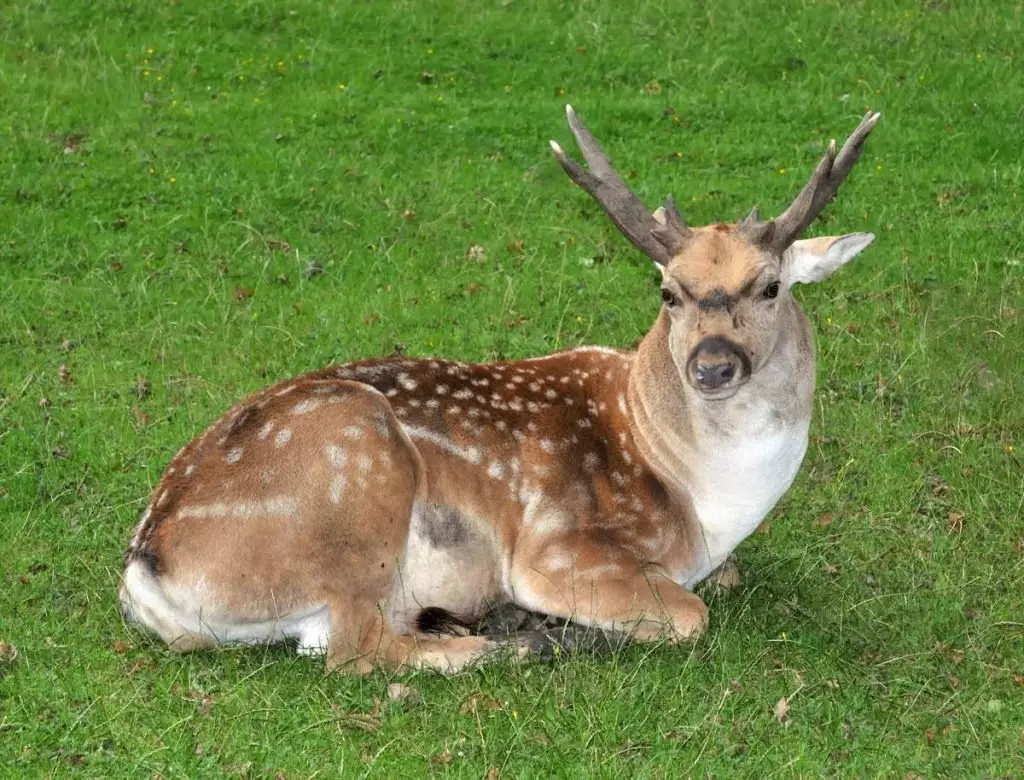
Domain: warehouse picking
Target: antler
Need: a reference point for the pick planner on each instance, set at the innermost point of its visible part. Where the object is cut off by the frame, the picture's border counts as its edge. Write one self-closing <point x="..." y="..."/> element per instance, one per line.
<point x="833" y="169"/>
<point x="660" y="235"/>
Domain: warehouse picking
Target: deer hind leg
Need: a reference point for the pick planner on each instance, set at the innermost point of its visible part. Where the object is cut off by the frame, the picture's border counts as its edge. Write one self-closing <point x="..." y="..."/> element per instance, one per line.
<point x="571" y="576"/>
<point x="358" y="649"/>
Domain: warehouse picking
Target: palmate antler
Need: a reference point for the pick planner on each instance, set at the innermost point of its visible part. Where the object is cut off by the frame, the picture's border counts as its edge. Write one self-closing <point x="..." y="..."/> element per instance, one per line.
<point x="661" y="240"/>
<point x="662" y="235"/>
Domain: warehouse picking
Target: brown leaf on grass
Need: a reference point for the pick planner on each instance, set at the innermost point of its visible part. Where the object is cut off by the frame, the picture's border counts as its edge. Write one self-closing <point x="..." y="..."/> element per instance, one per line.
<point x="442" y="758"/>
<point x="121" y="647"/>
<point x="399" y="692"/>
<point x="764" y="528"/>
<point x="848" y="731"/>
<point x="473" y="288"/>
<point x="831" y="569"/>
<point x="67" y="345"/>
<point x="426" y="77"/>
<point x="141" y="417"/>
<point x="479" y="702"/>
<point x="929" y="734"/>
<point x="476" y="253"/>
<point x="955" y="522"/>
<point x="516" y="247"/>
<point x="781" y="710"/>
<point x="953" y="681"/>
<point x="823" y="520"/>
<point x="65" y="374"/>
<point x="408" y="215"/>
<point x="8" y="652"/>
<point x="278" y="245"/>
<point x="492" y="774"/>
<point x="938" y="485"/>
<point x="142" y="387"/>
<point x="44" y="403"/>
<point x="243" y="293"/>
<point x="359" y="721"/>
<point x="205" y="705"/>
<point x="371" y="317"/>
<point x="1019" y="679"/>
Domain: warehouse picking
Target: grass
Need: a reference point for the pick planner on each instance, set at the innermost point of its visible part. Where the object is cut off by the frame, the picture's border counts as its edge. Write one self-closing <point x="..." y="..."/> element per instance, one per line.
<point x="174" y="175"/>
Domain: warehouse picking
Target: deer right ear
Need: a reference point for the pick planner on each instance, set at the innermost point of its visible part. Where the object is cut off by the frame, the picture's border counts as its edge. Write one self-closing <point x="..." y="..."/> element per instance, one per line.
<point x="814" y="259"/>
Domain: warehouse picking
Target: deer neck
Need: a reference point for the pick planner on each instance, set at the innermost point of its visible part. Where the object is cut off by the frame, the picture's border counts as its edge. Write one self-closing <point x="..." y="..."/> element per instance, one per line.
<point x="726" y="462"/>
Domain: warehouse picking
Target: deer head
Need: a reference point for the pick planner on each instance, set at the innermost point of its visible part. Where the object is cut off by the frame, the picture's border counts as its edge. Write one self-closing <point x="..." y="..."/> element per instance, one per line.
<point x="725" y="287"/>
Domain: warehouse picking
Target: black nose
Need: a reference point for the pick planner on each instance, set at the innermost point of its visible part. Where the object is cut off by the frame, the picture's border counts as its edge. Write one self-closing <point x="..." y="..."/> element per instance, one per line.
<point x="716" y="375"/>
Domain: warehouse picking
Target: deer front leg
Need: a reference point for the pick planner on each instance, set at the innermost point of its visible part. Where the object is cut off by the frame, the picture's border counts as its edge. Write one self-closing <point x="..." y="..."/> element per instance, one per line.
<point x="574" y="575"/>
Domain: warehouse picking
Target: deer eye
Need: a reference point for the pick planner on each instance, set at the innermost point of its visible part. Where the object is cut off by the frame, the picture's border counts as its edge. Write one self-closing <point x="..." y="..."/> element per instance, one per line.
<point x="772" y="290"/>
<point x="668" y="297"/>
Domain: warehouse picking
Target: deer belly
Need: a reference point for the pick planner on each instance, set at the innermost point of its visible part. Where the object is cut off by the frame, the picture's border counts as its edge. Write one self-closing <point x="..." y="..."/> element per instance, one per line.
<point x="737" y="488"/>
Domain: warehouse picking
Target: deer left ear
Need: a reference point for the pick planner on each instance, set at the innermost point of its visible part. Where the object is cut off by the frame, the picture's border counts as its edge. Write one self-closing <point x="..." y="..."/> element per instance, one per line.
<point x="814" y="259"/>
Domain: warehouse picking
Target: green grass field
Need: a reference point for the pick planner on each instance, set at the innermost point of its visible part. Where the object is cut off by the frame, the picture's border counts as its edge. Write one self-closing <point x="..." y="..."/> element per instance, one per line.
<point x="198" y="199"/>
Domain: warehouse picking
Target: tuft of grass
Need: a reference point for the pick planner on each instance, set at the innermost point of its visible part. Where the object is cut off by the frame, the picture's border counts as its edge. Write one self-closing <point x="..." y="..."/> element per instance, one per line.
<point x="199" y="199"/>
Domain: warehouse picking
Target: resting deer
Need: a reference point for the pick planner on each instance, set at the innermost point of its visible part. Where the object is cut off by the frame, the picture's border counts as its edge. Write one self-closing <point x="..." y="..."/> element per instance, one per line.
<point x="348" y="508"/>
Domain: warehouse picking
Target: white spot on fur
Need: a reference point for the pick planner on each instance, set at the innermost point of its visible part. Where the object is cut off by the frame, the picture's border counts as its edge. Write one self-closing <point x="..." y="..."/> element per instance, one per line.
<point x="365" y="463"/>
<point x="550" y="394"/>
<point x="235" y="455"/>
<point x="268" y="426"/>
<point x="164" y="495"/>
<point x="305" y="406"/>
<point x="495" y="470"/>
<point x="336" y="455"/>
<point x="392" y="392"/>
<point x="433" y="403"/>
<point x="283" y="437"/>
<point x="462" y="394"/>
<point x="338" y="485"/>
<point x="547" y="445"/>
<point x="441" y="389"/>
<point x="406" y="382"/>
<point x="591" y="462"/>
<point x="189" y="469"/>
<point x="354" y="432"/>
<point x="284" y="391"/>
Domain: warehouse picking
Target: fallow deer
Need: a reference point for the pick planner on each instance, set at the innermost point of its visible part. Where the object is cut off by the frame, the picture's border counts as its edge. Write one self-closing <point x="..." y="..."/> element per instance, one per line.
<point x="346" y="507"/>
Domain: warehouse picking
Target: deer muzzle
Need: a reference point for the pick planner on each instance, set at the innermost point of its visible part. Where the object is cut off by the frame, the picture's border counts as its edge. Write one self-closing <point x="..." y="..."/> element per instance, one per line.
<point x="717" y="367"/>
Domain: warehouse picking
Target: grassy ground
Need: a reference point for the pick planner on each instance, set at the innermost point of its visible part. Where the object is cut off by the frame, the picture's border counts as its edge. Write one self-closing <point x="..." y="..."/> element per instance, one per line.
<point x="197" y="199"/>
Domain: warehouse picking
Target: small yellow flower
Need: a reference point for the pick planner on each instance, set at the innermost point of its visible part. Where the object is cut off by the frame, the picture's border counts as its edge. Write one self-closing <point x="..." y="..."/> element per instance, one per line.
<point x="149" y="51"/>
<point x="508" y="88"/>
<point x="145" y="74"/>
<point x="152" y="171"/>
<point x="341" y="88"/>
<point x="160" y="77"/>
<point x="173" y="179"/>
<point x="782" y="171"/>
<point x="280" y="63"/>
<point x="430" y="52"/>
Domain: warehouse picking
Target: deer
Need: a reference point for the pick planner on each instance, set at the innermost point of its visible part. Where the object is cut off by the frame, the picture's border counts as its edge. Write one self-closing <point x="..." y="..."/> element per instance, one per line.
<point x="368" y="510"/>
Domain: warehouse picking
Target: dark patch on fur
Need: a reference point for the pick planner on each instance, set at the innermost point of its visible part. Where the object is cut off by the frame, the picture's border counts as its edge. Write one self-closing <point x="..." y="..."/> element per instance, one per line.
<point x="150" y="559"/>
<point x="443" y="526"/>
<point x="244" y="421"/>
<point x="719" y="299"/>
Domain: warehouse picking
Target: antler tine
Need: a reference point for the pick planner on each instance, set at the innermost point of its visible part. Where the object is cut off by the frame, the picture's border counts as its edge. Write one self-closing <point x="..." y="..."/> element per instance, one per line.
<point x="822" y="186"/>
<point x="661" y="242"/>
<point x="754" y="230"/>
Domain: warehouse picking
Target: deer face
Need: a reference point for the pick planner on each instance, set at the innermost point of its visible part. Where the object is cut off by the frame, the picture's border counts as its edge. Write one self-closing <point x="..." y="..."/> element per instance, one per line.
<point x="722" y="297"/>
<point x="725" y="299"/>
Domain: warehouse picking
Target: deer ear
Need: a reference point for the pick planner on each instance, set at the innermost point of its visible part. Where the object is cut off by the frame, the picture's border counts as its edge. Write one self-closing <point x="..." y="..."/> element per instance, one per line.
<point x="814" y="259"/>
